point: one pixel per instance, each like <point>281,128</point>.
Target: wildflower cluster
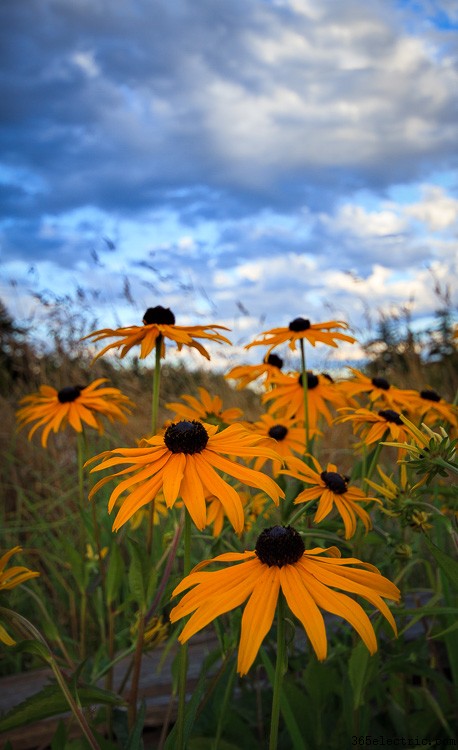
<point>270,488</point>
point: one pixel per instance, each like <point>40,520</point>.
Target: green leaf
<point>359,668</point>
<point>137,577</point>
<point>50,702</point>
<point>447,564</point>
<point>450,629</point>
<point>59,739</point>
<point>135,741</point>
<point>79,570</point>
<point>192,706</point>
<point>34,647</point>
<point>152,584</point>
<point>115,573</point>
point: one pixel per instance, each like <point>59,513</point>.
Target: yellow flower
<point>182,462</point>
<point>308,580</point>
<point>247,373</point>
<point>376,389</point>
<point>158,325</point>
<point>372,425</point>
<point>427,406</point>
<point>287,396</point>
<point>289,436</point>
<point>208,409</point>
<point>332,490</point>
<point>74,405</point>
<point>301,328</point>
<point>9,579</point>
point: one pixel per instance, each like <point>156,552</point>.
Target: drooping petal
<point>304,608</point>
<point>257,616</point>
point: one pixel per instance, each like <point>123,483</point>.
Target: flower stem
<point>137,664</point>
<point>183,669</point>
<point>154,420</point>
<point>375,457</point>
<point>80,447</point>
<point>305,394</point>
<point>280,669</point>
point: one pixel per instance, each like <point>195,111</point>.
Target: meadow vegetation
<point>103,597</point>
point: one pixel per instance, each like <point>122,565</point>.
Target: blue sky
<point>242,162</point>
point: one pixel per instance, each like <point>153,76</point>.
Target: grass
<point>96,588</point>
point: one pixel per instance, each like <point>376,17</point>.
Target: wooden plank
<point>155,688</point>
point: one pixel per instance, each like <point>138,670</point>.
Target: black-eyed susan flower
<point>287,397</point>
<point>429,407</point>
<point>308,580</point>
<point>332,490</point>
<point>302,328</point>
<point>289,434</point>
<point>372,426</point>
<point>375,389</point>
<point>184,462</point>
<point>246,374</point>
<point>158,325</point>
<point>75,405</point>
<point>9,579</point>
<point>208,409</point>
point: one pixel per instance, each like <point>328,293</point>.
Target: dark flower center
<point>159,315</point>
<point>69,393</point>
<point>186,437</point>
<point>274,360</point>
<point>299,324</point>
<point>390,416</point>
<point>278,432</point>
<point>335,482</point>
<point>381,383</point>
<point>279,545</point>
<point>312,380</point>
<point>430,396</point>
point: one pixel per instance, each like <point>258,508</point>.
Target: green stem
<point>154,421</point>
<point>445,464</point>
<point>137,665</point>
<point>375,457</point>
<point>223,708</point>
<point>280,669</point>
<point>183,668</point>
<point>305,395</point>
<point>297,515</point>
<point>81,445</point>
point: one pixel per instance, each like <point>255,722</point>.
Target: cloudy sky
<point>243,162</point>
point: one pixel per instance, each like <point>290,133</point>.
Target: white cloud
<point>436,209</point>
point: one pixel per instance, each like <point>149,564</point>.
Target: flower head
<point>245,374</point>
<point>183,462</point>
<point>308,580</point>
<point>372,425</point>
<point>332,490</point>
<point>289,434</point>
<point>376,389</point>
<point>158,325</point>
<point>287,396</point>
<point>302,328</point>
<point>75,405</point>
<point>429,407</point>
<point>9,579</point>
<point>208,409</point>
